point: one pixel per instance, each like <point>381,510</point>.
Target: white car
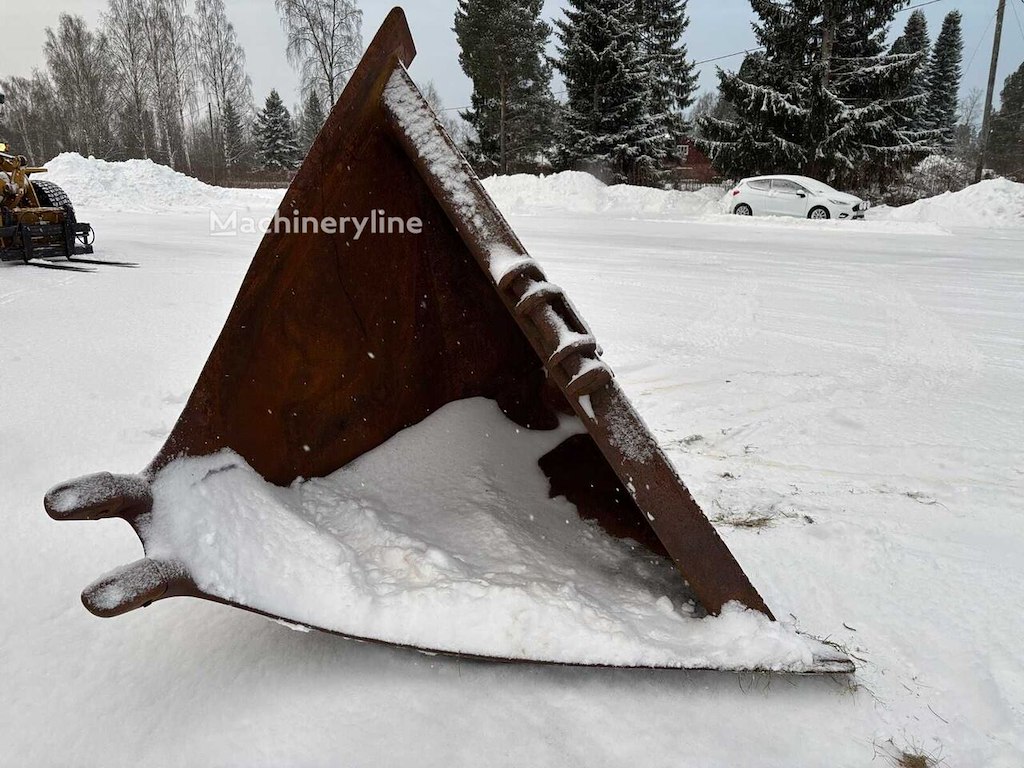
<point>793,196</point>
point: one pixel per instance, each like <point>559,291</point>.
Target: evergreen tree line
<point>627,77</point>
<point>1006,139</point>
<point>825,95</point>
<point>826,98</point>
<point>166,80</point>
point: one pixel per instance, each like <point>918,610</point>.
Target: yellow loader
<point>37,218</point>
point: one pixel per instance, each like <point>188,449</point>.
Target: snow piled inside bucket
<point>444,538</point>
<point>992,203</point>
<point>147,187</point>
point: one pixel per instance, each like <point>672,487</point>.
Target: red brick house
<point>692,164</point>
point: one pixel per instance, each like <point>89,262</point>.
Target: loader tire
<point>52,196</point>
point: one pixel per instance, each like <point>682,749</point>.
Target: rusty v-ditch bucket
<point>331,350</point>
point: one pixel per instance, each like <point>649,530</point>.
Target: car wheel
<point>819,213</point>
<point>743,210</point>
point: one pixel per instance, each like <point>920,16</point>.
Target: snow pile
<point>993,203</point>
<point>146,187</point>
<point>580,193</point>
<point>457,549</point>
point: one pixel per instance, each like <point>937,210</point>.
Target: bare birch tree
<point>124,26</point>
<point>221,59</point>
<point>179,36</point>
<point>139,88</point>
<point>449,118</point>
<point>78,62</point>
<point>28,122</point>
<point>168,42</point>
<point>155,50</point>
<point>325,40</point>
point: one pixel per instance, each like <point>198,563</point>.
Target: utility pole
<point>986,120</point>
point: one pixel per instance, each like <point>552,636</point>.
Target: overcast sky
<point>717,27</point>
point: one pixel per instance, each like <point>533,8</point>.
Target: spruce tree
<point>274,136</point>
<point>824,98</point>
<point>1006,139</point>
<point>503,46</point>
<point>311,120</point>
<point>610,123</point>
<point>944,80</point>
<point>235,147</point>
<point>662,24</point>
<point>915,42</point>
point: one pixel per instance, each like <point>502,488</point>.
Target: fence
<point>694,185</point>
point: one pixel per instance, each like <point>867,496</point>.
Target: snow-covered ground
<point>846,401</point>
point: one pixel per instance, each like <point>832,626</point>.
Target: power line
<point>1017,16</point>
<point>728,56</point>
<point>919,5</point>
<point>981,40</point>
<point>748,51</point>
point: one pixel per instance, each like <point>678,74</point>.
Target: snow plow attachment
<point>452,402</point>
